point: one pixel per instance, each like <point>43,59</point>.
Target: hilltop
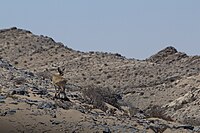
<point>160,90</point>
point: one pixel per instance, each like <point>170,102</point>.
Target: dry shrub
<point>157,112</point>
<point>98,96</point>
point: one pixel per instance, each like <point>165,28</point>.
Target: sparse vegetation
<point>160,79</point>
<point>157,112</point>
<point>98,96</point>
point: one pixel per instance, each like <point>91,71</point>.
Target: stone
<point>19,91</point>
<point>46,105</point>
<point>55,122</point>
<point>2,101</point>
<point>106,130</point>
<point>2,97</point>
<point>185,127</point>
<point>39,91</point>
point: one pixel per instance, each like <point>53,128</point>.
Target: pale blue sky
<point>133,28</point>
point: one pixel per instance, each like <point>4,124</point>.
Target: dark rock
<point>55,122</point>
<point>106,130</point>
<point>9,112</point>
<point>5,64</point>
<point>63,104</point>
<point>162,54</point>
<point>185,127</point>
<point>31,102</point>
<point>42,123</point>
<point>2,97</point>
<point>3,113</point>
<point>2,101</point>
<point>19,91</point>
<point>160,128</point>
<point>62,96</point>
<point>141,93</point>
<point>168,54</point>
<point>39,91</point>
<point>14,102</point>
<point>29,73</point>
<point>46,105</point>
<point>73,95</point>
<point>196,129</point>
<point>13,28</point>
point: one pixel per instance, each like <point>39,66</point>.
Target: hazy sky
<point>133,28</point>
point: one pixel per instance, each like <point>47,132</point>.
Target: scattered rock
<point>55,122</point>
<point>19,80</point>
<point>39,91</point>
<point>111,80</point>
<point>2,97</point>
<point>31,102</point>
<point>47,105</point>
<point>196,129</point>
<point>63,104</point>
<point>185,127</point>
<point>106,130</point>
<point>14,102</point>
<point>166,55</point>
<point>9,112</point>
<point>19,91</point>
<point>2,101</point>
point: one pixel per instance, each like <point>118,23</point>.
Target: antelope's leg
<point>57,91</point>
<point>63,94</point>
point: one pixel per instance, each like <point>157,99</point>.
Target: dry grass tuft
<point>156,111</point>
<point>99,96</point>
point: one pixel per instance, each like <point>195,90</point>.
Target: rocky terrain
<point>107,92</point>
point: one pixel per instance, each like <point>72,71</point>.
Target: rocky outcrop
<point>167,55</point>
<point>107,92</point>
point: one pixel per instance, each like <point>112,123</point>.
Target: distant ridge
<point>167,54</point>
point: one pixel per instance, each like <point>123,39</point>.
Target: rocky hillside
<point>107,91</point>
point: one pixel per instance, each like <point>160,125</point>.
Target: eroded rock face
<point>167,55</point>
<point>107,92</point>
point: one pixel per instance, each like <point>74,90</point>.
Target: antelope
<point>59,83</point>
